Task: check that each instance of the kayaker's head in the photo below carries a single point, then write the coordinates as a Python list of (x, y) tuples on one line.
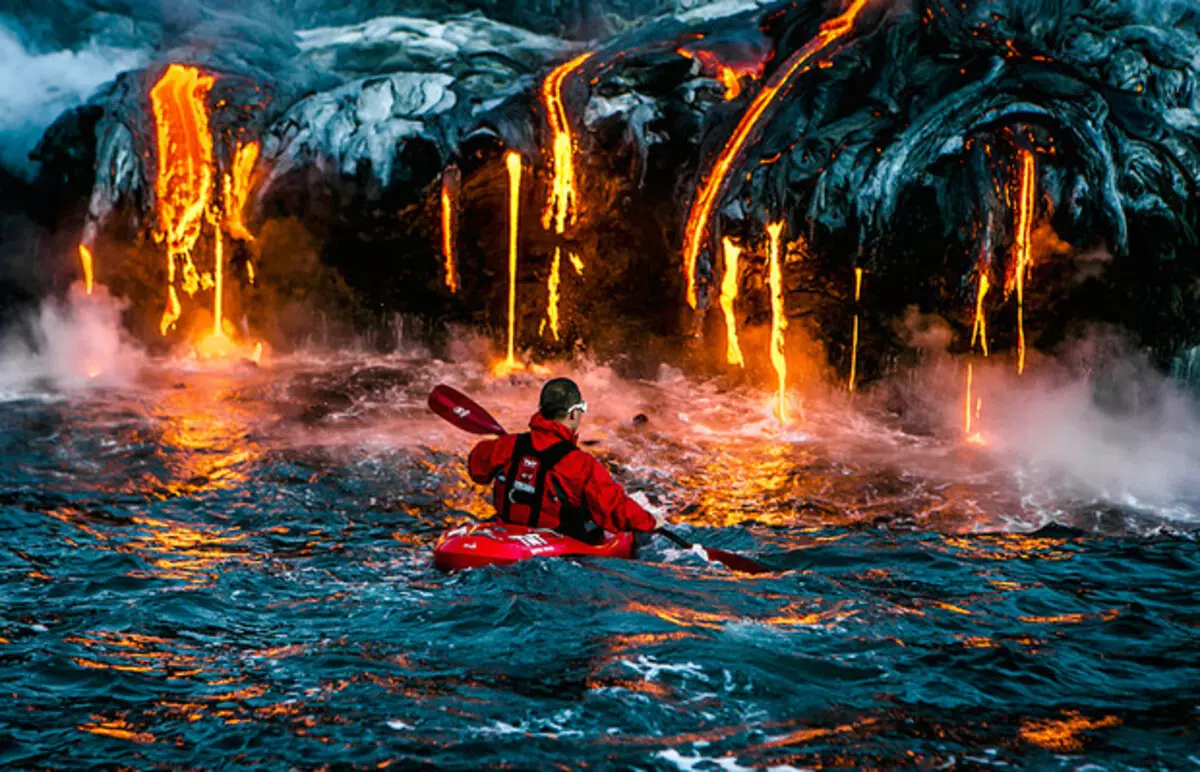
[(562, 401)]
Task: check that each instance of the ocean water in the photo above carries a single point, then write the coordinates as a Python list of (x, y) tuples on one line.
[(220, 568)]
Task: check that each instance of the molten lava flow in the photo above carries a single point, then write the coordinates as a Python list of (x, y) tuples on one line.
[(858, 274), (560, 211), (711, 189), (978, 333), (85, 259), (450, 185), (972, 411), (512, 160), (729, 76), (979, 330), (729, 292), (1023, 248), (778, 321), (184, 182), (237, 190)]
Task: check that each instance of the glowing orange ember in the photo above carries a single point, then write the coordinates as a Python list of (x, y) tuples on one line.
[(1023, 248), (450, 179), (729, 292), (711, 189), (512, 161), (858, 274), (778, 320), (85, 260), (184, 182), (561, 207)]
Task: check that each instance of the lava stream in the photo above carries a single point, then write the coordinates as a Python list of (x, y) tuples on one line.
[(729, 293), (1023, 248), (85, 260), (184, 182), (512, 160), (561, 207), (450, 186), (712, 188), (858, 275), (778, 320)]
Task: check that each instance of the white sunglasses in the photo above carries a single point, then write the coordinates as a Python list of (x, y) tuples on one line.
[(580, 406)]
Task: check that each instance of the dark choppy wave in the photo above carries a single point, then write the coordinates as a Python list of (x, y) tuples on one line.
[(220, 570)]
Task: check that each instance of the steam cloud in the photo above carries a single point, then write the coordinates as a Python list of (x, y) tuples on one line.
[(35, 88), (70, 344)]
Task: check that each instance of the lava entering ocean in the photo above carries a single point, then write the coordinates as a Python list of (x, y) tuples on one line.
[(712, 188), (187, 201)]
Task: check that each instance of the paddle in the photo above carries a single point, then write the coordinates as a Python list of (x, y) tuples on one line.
[(463, 412)]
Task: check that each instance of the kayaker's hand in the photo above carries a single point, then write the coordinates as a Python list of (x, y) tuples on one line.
[(660, 520)]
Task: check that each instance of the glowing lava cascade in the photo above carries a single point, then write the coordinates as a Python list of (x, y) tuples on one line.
[(512, 160), (1024, 248), (850, 384), (729, 293), (561, 206), (86, 262), (187, 200), (778, 319), (451, 182), (712, 188), (183, 185)]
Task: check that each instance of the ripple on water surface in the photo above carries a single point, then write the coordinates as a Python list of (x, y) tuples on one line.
[(233, 568)]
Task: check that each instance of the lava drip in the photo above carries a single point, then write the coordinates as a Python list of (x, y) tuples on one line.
[(850, 384), (86, 262), (1023, 248), (778, 319), (451, 182), (729, 293), (561, 206), (712, 188), (512, 160), (184, 182)]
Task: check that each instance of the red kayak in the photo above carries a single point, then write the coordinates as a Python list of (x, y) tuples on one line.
[(501, 544)]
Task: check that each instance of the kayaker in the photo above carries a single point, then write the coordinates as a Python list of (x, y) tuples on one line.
[(542, 479)]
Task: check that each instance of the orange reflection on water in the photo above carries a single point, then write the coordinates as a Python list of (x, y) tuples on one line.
[(815, 733), (682, 615), (185, 552), (1009, 546), (1072, 619), (134, 653), (118, 728), (1063, 734)]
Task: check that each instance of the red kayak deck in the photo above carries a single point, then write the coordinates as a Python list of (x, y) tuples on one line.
[(500, 544)]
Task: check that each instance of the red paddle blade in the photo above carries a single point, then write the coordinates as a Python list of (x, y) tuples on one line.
[(735, 562), (462, 411)]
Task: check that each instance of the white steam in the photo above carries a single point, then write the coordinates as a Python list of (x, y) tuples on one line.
[(36, 88), (71, 344), (1129, 438)]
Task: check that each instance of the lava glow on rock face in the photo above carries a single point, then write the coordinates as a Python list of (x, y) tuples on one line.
[(711, 189), (562, 205), (183, 185)]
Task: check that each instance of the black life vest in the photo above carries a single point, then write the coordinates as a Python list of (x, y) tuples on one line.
[(521, 494)]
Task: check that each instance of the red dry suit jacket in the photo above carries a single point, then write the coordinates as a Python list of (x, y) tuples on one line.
[(586, 484)]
